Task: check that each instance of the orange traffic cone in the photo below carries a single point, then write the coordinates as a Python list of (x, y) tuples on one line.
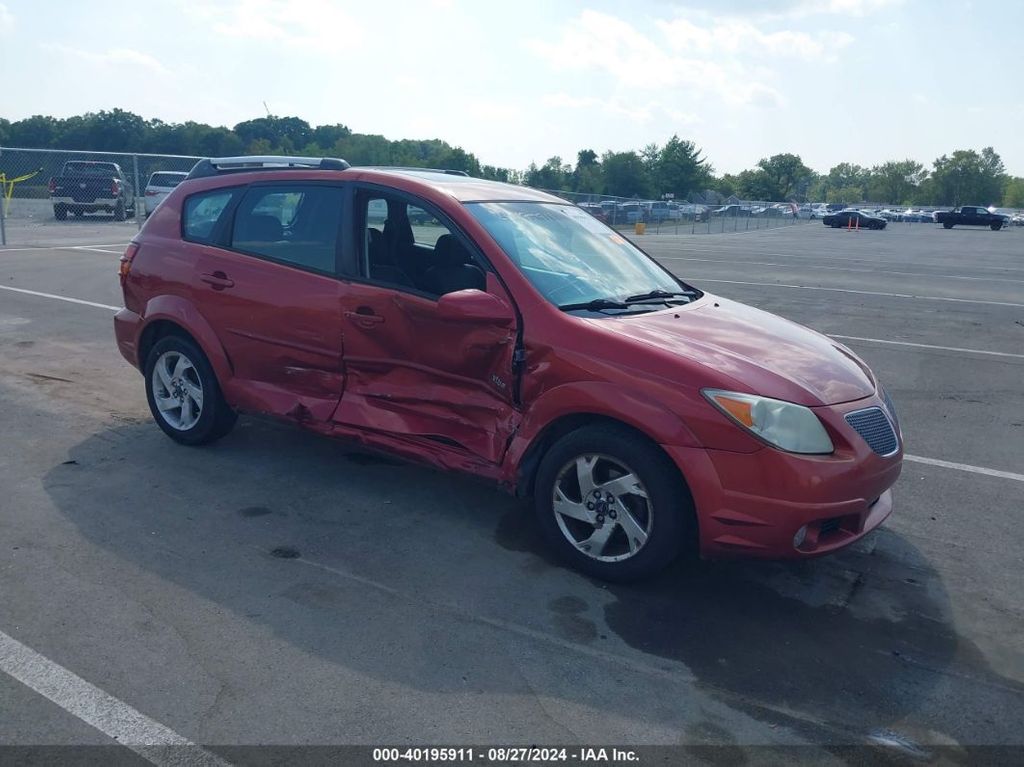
[(849, 224), (858, 223)]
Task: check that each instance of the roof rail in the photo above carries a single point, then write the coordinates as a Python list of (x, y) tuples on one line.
[(446, 171), (215, 166)]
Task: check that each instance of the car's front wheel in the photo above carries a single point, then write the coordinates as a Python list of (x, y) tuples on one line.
[(612, 504), (947, 225), (183, 393)]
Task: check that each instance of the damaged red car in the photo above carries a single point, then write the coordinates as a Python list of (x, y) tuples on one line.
[(497, 330)]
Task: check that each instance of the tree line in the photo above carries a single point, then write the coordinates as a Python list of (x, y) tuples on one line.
[(679, 167)]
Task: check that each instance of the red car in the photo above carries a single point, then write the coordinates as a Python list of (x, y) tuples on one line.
[(500, 331)]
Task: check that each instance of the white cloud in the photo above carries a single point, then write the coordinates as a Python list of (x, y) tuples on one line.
[(112, 58), (741, 37), (599, 42), (6, 20), (315, 25), (636, 112), (856, 8)]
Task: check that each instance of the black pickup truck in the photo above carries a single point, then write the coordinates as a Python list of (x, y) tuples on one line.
[(970, 215), (91, 187)]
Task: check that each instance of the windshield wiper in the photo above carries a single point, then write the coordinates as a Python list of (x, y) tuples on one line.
[(595, 305), (658, 293)]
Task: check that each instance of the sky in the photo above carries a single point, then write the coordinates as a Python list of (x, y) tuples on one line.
[(860, 81)]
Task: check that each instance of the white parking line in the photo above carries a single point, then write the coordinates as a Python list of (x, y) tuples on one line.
[(965, 467), (928, 346), (733, 264), (884, 258), (121, 245), (60, 298), (95, 250), (113, 717), (867, 293)]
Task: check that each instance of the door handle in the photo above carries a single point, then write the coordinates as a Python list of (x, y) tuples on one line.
[(218, 280), (364, 319)]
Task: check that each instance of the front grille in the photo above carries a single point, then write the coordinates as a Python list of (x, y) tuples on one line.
[(875, 428)]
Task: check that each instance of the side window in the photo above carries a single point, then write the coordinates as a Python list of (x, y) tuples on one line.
[(408, 247), (202, 212), (296, 225)]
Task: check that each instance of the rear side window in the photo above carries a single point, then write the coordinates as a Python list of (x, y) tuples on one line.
[(202, 212), (166, 179), (295, 225)]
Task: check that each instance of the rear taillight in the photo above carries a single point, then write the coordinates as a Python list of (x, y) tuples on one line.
[(151, 193), (115, 189), (126, 261), (53, 185)]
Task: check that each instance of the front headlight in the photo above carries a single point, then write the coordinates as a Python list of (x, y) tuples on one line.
[(785, 425)]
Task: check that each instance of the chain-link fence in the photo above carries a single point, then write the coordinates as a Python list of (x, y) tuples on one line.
[(46, 193), (685, 217)]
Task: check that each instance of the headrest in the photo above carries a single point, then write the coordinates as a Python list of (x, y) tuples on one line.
[(448, 251)]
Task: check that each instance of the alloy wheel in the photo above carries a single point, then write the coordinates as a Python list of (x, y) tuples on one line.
[(602, 508), (177, 390)]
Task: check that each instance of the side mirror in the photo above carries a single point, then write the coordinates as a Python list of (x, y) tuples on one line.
[(474, 306)]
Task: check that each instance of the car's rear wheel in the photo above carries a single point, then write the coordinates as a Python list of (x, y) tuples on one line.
[(119, 214), (183, 393), (947, 225), (612, 504), (60, 212)]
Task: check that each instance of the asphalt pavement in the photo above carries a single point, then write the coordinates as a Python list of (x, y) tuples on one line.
[(277, 588)]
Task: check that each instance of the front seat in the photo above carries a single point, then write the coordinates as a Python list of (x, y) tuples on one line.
[(451, 268), (259, 228)]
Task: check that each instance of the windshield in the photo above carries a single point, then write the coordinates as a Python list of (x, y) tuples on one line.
[(89, 168), (571, 257)]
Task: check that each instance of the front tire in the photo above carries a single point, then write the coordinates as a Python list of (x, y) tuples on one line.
[(996, 226), (947, 225), (612, 504), (183, 393)]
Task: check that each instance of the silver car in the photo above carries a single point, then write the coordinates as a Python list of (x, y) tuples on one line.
[(160, 185)]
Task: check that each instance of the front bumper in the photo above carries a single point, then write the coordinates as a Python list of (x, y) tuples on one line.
[(753, 504)]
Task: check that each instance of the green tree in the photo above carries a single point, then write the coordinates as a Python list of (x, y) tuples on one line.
[(780, 177), (587, 175), (1013, 193), (967, 177), (895, 181), (282, 133), (625, 174), (36, 132), (553, 174), (680, 168)]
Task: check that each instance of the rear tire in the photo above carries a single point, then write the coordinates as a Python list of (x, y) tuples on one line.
[(947, 225), (180, 381), (119, 211), (640, 524), (60, 212)]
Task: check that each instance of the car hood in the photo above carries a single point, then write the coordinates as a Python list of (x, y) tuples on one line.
[(762, 352)]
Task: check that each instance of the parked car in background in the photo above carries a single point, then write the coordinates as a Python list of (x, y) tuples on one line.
[(520, 341), (733, 210), (659, 211), (854, 218), (160, 185), (912, 216), (85, 186), (971, 215)]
